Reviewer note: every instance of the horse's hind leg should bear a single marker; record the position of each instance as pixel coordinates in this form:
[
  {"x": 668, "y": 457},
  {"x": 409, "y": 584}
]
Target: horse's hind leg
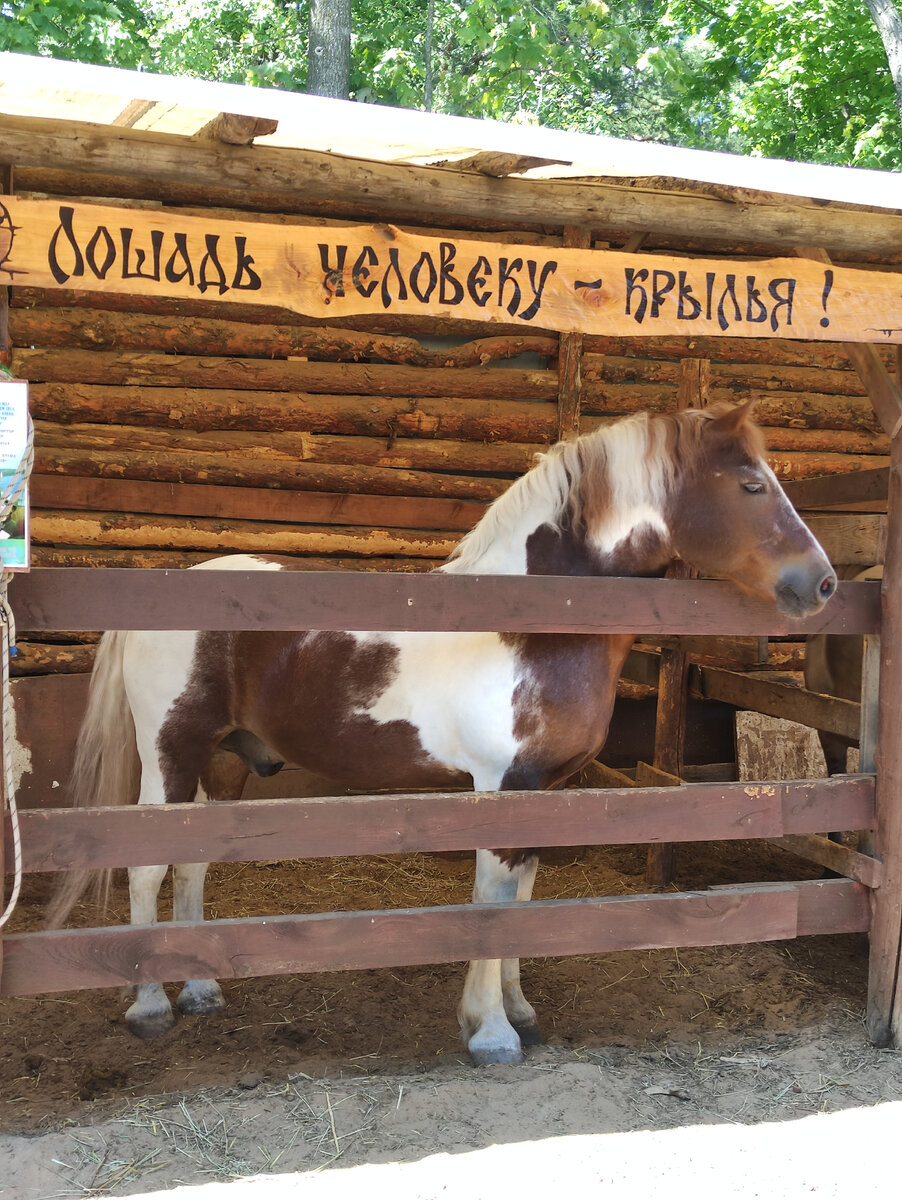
[
  {"x": 495, "y": 1018},
  {"x": 150, "y": 1016}
]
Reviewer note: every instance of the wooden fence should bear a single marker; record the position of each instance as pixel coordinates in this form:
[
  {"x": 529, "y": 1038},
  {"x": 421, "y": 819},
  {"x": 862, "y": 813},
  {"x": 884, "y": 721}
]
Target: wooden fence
[{"x": 243, "y": 831}]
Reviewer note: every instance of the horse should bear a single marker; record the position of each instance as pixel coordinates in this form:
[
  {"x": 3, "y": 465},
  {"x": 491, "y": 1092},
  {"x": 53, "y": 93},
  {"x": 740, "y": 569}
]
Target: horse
[{"x": 174, "y": 716}]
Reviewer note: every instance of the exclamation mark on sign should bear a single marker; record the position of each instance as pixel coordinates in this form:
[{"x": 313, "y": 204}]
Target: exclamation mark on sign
[{"x": 828, "y": 287}]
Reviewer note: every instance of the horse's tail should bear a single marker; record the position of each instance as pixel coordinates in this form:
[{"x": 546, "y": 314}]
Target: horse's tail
[{"x": 106, "y": 769}]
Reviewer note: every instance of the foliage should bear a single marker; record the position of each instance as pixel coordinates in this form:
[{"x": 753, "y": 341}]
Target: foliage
[
  {"x": 806, "y": 81},
  {"x": 802, "y": 79}
]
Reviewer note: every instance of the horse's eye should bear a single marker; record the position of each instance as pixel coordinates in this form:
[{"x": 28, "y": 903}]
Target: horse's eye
[{"x": 754, "y": 488}]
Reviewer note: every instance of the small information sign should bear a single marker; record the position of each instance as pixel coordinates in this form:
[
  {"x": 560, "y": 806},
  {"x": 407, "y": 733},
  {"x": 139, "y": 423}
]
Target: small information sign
[{"x": 14, "y": 541}]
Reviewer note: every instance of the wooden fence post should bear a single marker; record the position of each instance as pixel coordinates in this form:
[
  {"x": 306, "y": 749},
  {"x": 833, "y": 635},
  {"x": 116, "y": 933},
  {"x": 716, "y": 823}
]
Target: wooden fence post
[{"x": 884, "y": 1015}]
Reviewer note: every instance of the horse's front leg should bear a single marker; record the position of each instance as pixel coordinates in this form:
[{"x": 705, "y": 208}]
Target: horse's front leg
[
  {"x": 199, "y": 997},
  {"x": 150, "y": 1016},
  {"x": 495, "y": 1018}
]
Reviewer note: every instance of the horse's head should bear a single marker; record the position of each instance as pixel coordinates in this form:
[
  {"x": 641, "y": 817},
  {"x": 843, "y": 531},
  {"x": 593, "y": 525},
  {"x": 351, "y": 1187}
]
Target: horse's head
[{"x": 731, "y": 519}]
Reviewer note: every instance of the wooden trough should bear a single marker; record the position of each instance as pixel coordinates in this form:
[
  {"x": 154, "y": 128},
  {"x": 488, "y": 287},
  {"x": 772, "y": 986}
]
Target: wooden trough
[{"x": 175, "y": 421}]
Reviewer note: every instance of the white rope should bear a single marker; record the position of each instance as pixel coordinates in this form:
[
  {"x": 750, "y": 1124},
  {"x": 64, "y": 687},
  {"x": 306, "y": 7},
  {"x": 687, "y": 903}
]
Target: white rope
[{"x": 8, "y": 500}]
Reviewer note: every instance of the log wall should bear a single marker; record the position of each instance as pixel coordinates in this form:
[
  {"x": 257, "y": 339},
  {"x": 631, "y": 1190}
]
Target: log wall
[{"x": 169, "y": 431}]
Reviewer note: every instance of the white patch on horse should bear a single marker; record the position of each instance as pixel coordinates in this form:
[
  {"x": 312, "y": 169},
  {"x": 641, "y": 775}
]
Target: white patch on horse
[
  {"x": 456, "y": 689},
  {"x": 639, "y": 477}
]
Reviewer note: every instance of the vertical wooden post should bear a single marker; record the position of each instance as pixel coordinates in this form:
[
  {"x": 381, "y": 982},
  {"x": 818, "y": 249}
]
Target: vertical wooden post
[
  {"x": 570, "y": 355},
  {"x": 670, "y": 722},
  {"x": 884, "y": 1015},
  {"x": 6, "y": 187}
]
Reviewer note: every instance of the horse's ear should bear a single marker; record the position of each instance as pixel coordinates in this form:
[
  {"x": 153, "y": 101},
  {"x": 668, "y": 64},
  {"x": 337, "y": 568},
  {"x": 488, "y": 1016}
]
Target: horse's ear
[{"x": 729, "y": 423}]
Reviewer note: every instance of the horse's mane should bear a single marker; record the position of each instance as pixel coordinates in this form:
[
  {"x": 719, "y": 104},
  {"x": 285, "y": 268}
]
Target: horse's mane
[{"x": 595, "y": 480}]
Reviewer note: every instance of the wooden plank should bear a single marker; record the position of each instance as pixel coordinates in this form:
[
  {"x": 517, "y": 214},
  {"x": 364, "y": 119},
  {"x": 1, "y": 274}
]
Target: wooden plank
[
  {"x": 850, "y": 539},
  {"x": 257, "y": 504},
  {"x": 648, "y": 775},
  {"x": 884, "y": 1014},
  {"x": 278, "y": 375},
  {"x": 252, "y": 830},
  {"x": 341, "y": 186},
  {"x": 781, "y": 700},
  {"x": 597, "y": 774},
  {"x": 82, "y": 598},
  {"x": 832, "y": 855},
  {"x": 570, "y": 355},
  {"x": 363, "y": 269},
  {"x": 833, "y": 491},
  {"x": 239, "y": 949}
]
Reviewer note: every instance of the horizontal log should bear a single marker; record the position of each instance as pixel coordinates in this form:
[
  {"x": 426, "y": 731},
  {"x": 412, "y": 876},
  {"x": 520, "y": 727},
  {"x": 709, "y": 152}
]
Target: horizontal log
[
  {"x": 774, "y": 351},
  {"x": 828, "y": 713},
  {"x": 409, "y": 325},
  {"x": 293, "y": 375},
  {"x": 78, "y": 328},
  {"x": 788, "y": 464},
  {"x": 741, "y": 375},
  {"x": 39, "y": 658},
  {"x": 255, "y": 830},
  {"x": 799, "y": 410},
  {"x": 246, "y": 471},
  {"x": 438, "y": 454},
  {"x": 103, "y": 556},
  {"x": 255, "y": 504},
  {"x": 85, "y": 599},
  {"x": 216, "y": 536},
  {"x": 126, "y": 955},
  {"x": 225, "y": 408},
  {"x": 413, "y": 192}
]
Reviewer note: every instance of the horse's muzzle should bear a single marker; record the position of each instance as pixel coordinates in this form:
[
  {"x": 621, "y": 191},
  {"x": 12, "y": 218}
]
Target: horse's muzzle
[{"x": 801, "y": 591}]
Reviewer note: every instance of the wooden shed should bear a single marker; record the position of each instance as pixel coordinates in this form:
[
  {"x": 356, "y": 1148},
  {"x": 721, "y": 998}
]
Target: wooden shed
[{"x": 260, "y": 321}]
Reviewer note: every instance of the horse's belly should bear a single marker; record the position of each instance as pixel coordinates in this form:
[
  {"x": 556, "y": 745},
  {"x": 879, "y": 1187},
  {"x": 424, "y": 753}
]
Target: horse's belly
[{"x": 390, "y": 710}]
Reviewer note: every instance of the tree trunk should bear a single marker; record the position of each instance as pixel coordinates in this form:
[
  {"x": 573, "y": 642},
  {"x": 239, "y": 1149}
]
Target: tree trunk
[
  {"x": 889, "y": 26},
  {"x": 329, "y": 52}
]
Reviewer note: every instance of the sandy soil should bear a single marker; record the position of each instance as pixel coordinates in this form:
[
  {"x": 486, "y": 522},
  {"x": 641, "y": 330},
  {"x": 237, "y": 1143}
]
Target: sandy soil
[{"x": 306, "y": 1073}]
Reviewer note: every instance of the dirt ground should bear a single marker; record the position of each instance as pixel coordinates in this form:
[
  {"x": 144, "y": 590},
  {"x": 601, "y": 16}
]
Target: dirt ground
[{"x": 303, "y": 1072}]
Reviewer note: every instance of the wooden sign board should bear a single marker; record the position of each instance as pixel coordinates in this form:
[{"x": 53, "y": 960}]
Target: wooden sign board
[{"x": 326, "y": 271}]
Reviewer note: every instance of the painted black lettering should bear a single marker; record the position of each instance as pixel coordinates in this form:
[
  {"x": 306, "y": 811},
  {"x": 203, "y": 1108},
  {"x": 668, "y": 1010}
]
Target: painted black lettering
[
  {"x": 709, "y": 293},
  {"x": 156, "y": 243},
  {"x": 729, "y": 292},
  {"x": 395, "y": 269},
  {"x": 755, "y": 309},
  {"x": 784, "y": 301},
  {"x": 100, "y": 269},
  {"x": 178, "y": 264},
  {"x": 447, "y": 252},
  {"x": 476, "y": 280},
  {"x": 333, "y": 277},
  {"x": 686, "y": 298},
  {"x": 424, "y": 261},
  {"x": 210, "y": 262},
  {"x": 550, "y": 267},
  {"x": 634, "y": 281},
  {"x": 78, "y": 263},
  {"x": 360, "y": 272},
  {"x": 243, "y": 267},
  {"x": 662, "y": 282},
  {"x": 506, "y": 275}
]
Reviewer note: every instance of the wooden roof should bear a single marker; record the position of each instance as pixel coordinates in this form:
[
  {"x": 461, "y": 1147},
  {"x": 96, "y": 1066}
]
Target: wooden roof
[{"x": 49, "y": 88}]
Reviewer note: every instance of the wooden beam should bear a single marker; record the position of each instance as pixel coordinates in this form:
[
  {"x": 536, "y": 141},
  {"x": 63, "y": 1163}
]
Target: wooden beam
[
  {"x": 884, "y": 1016},
  {"x": 829, "y": 713},
  {"x": 235, "y": 129},
  {"x": 230, "y": 949},
  {"x": 570, "y": 356},
  {"x": 252, "y": 830},
  {"x": 82, "y": 598},
  {"x": 834, "y": 491},
  {"x": 836, "y": 857},
  {"x": 342, "y": 186},
  {"x": 498, "y": 164}
]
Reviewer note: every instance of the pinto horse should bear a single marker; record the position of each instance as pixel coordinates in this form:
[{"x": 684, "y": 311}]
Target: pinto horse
[{"x": 413, "y": 710}]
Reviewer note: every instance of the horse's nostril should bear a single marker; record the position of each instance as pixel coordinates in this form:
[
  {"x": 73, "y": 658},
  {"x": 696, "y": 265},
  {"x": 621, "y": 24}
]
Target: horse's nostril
[{"x": 828, "y": 586}]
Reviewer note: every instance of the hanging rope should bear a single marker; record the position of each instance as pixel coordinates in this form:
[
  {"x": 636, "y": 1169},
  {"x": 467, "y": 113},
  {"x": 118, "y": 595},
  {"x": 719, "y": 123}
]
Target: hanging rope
[{"x": 9, "y": 498}]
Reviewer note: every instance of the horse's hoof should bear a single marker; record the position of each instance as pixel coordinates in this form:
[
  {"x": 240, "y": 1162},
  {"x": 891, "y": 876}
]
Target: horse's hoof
[
  {"x": 149, "y": 1026},
  {"x": 201, "y": 998},
  {"x": 530, "y": 1035},
  {"x": 486, "y": 1056}
]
